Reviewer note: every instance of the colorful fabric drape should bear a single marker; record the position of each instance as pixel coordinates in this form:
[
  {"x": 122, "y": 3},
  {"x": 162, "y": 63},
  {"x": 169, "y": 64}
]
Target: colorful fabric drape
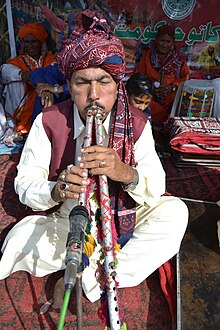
[
  {"x": 194, "y": 135},
  {"x": 122, "y": 141}
]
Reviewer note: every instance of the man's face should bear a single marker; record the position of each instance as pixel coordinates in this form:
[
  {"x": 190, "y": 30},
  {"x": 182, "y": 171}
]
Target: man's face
[
  {"x": 93, "y": 88},
  {"x": 140, "y": 101},
  {"x": 32, "y": 46},
  {"x": 164, "y": 43}
]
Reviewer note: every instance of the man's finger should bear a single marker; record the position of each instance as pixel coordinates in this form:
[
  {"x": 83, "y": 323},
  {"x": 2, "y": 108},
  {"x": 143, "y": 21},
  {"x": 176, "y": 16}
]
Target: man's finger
[{"x": 94, "y": 148}]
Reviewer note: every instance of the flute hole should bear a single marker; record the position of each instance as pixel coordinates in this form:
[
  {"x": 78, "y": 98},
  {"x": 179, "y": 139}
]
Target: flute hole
[
  {"x": 113, "y": 274},
  {"x": 116, "y": 309},
  {"x": 112, "y": 265}
]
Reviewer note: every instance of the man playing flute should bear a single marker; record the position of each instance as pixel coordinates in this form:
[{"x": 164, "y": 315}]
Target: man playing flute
[{"x": 149, "y": 225}]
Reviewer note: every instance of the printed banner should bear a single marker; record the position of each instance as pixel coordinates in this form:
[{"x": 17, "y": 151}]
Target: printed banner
[{"x": 136, "y": 23}]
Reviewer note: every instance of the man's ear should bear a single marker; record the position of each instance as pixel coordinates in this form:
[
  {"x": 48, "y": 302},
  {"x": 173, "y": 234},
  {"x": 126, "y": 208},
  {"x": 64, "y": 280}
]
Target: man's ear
[{"x": 117, "y": 88}]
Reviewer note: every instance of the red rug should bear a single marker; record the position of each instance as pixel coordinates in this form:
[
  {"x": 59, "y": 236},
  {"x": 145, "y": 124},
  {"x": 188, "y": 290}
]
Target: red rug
[
  {"x": 200, "y": 183},
  {"x": 22, "y": 295},
  {"x": 193, "y": 182}
]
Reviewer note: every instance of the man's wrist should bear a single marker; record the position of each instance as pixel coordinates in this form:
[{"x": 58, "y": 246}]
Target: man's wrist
[
  {"x": 133, "y": 184},
  {"x": 55, "y": 194},
  {"x": 56, "y": 89}
]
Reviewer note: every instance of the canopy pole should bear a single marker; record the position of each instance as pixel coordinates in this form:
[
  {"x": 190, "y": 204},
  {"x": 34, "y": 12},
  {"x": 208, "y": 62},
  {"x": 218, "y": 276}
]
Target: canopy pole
[{"x": 11, "y": 29}]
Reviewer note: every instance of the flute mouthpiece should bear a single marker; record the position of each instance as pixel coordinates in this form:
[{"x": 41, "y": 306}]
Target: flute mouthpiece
[
  {"x": 89, "y": 113},
  {"x": 95, "y": 111}
]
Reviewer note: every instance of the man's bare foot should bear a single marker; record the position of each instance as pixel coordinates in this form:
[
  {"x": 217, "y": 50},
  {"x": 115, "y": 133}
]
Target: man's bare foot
[{"x": 59, "y": 294}]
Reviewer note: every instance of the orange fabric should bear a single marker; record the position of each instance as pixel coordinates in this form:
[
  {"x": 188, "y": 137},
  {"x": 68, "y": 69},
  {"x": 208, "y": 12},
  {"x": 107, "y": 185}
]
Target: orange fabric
[
  {"x": 34, "y": 29},
  {"x": 159, "y": 112},
  {"x": 23, "y": 114}
]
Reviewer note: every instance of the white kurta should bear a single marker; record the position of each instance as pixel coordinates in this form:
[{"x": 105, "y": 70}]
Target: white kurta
[
  {"x": 37, "y": 244},
  {"x": 14, "y": 87}
]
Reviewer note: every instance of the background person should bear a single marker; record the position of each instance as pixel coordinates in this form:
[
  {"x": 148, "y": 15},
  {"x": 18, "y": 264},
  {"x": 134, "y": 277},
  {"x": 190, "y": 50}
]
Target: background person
[
  {"x": 140, "y": 92},
  {"x": 167, "y": 68},
  {"x": 19, "y": 93},
  {"x": 209, "y": 57},
  {"x": 146, "y": 226}
]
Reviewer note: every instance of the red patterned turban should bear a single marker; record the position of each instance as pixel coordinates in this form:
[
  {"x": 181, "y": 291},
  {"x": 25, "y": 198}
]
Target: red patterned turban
[
  {"x": 92, "y": 44},
  {"x": 34, "y": 29}
]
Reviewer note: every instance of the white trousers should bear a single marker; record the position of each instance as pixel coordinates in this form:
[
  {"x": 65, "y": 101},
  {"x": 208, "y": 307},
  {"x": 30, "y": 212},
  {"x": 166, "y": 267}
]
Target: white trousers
[{"x": 37, "y": 245}]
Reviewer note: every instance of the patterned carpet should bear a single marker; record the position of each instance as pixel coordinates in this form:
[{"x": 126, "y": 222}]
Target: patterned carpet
[
  {"x": 192, "y": 182},
  {"x": 200, "y": 269},
  {"x": 22, "y": 295},
  {"x": 201, "y": 183}
]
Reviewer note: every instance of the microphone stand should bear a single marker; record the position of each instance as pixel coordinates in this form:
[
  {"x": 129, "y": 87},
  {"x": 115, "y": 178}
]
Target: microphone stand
[
  {"x": 79, "y": 311},
  {"x": 64, "y": 309},
  {"x": 74, "y": 263}
]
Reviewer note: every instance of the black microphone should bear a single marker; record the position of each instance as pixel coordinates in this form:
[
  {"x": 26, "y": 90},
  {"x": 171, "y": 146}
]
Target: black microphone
[{"x": 78, "y": 218}]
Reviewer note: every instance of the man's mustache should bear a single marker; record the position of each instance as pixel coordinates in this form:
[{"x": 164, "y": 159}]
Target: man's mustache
[{"x": 95, "y": 105}]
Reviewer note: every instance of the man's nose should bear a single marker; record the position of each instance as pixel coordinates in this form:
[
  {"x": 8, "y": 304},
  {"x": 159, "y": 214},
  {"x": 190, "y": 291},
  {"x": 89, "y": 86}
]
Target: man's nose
[
  {"x": 30, "y": 45},
  {"x": 93, "y": 91},
  {"x": 167, "y": 44},
  {"x": 141, "y": 107}
]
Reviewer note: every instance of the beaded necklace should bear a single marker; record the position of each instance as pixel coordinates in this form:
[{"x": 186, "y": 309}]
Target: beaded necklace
[{"x": 31, "y": 63}]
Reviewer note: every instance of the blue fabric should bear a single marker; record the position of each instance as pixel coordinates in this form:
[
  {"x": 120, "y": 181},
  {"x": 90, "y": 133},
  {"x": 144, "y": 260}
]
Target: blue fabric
[
  {"x": 66, "y": 89},
  {"x": 37, "y": 108},
  {"x": 50, "y": 75},
  {"x": 10, "y": 150},
  {"x": 147, "y": 113},
  {"x": 85, "y": 260},
  {"x": 113, "y": 60}
]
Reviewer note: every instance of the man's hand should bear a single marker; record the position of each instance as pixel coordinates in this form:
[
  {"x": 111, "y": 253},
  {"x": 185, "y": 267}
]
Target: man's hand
[
  {"x": 102, "y": 160},
  {"x": 45, "y": 91},
  {"x": 70, "y": 184},
  {"x": 44, "y": 87},
  {"x": 47, "y": 99},
  {"x": 25, "y": 77}
]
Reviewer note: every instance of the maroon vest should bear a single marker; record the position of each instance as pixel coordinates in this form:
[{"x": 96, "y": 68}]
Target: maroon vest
[{"x": 58, "y": 122}]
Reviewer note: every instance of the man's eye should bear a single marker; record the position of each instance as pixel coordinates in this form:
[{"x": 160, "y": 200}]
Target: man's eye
[
  {"x": 81, "y": 83},
  {"x": 104, "y": 82}
]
